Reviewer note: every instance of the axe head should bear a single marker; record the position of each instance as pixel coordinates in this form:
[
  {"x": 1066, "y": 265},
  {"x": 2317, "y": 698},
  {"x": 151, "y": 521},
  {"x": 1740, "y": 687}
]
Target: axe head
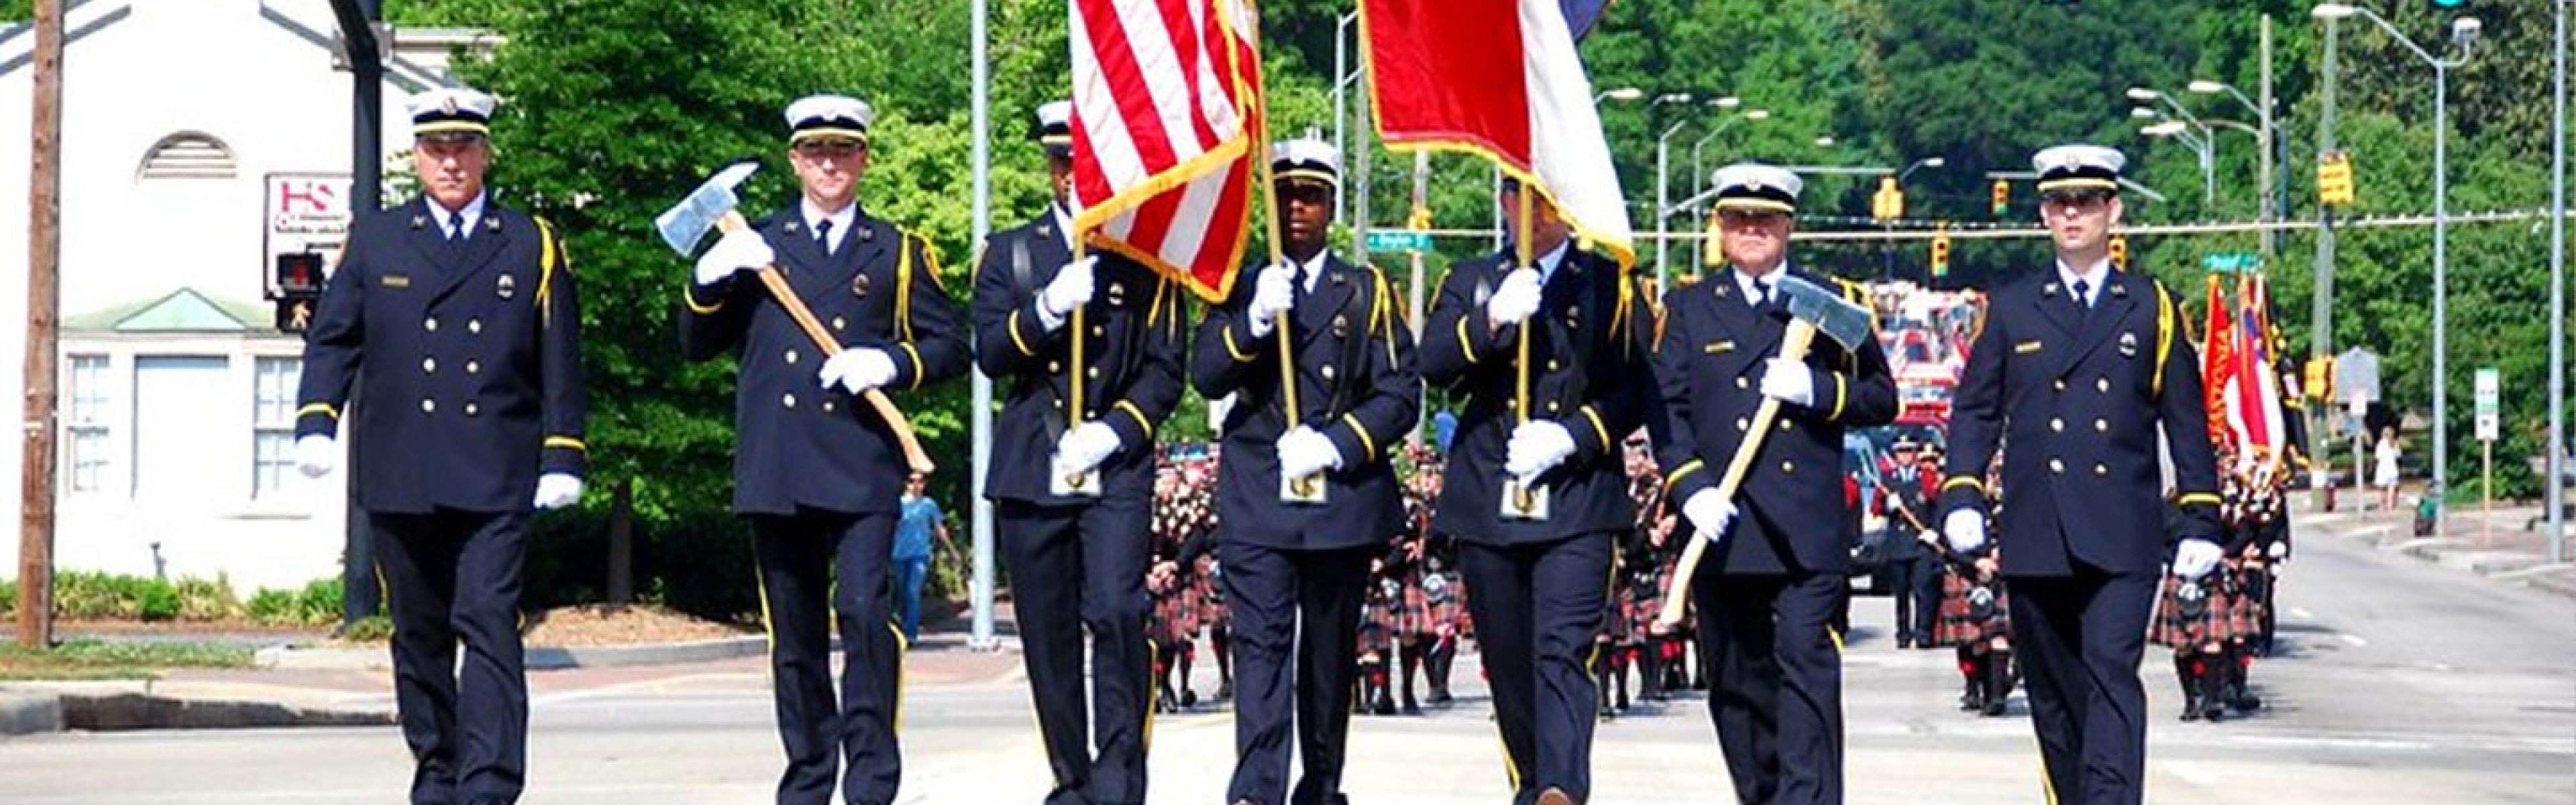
[
  {"x": 684, "y": 223},
  {"x": 1846, "y": 323}
]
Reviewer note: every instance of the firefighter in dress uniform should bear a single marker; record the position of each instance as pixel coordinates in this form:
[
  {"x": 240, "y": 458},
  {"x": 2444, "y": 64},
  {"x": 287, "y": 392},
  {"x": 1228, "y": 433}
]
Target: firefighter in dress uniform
[{"x": 459, "y": 318}]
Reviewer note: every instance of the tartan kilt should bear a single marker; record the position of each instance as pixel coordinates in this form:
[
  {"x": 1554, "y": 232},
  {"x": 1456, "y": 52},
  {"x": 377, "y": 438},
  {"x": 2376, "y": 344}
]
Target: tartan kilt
[
  {"x": 1211, "y": 596},
  {"x": 1958, "y": 624},
  {"x": 1377, "y": 623},
  {"x": 1176, "y": 613},
  {"x": 2227, "y": 616},
  {"x": 1689, "y": 624},
  {"x": 1422, "y": 616}
]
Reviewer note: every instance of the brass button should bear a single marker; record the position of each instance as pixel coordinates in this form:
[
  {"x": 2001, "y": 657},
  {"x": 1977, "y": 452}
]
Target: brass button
[
  {"x": 1551, "y": 364},
  {"x": 428, "y": 406},
  {"x": 2058, "y": 384},
  {"x": 1788, "y": 466},
  {"x": 839, "y": 323},
  {"x": 430, "y": 324},
  {"x": 1059, "y": 404},
  {"x": 2102, "y": 384},
  {"x": 2056, "y": 425},
  {"x": 828, "y": 407},
  {"x": 2056, "y": 467},
  {"x": 1740, "y": 383},
  {"x": 473, "y": 367},
  {"x": 1328, "y": 371},
  {"x": 1098, "y": 331},
  {"x": 474, "y": 326},
  {"x": 1783, "y": 424},
  {"x": 1743, "y": 424},
  {"x": 788, "y": 399},
  {"x": 2102, "y": 426},
  {"x": 429, "y": 366},
  {"x": 473, "y": 409},
  {"x": 2100, "y": 470},
  {"x": 791, "y": 357},
  {"x": 1512, "y": 405},
  {"x": 1551, "y": 406},
  {"x": 1092, "y": 372},
  {"x": 1054, "y": 367}
]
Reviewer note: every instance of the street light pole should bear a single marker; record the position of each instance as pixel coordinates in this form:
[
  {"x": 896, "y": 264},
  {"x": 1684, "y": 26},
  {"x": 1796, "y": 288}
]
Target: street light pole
[
  {"x": 2463, "y": 32},
  {"x": 2557, "y": 449},
  {"x": 1663, "y": 155},
  {"x": 980, "y": 390}
]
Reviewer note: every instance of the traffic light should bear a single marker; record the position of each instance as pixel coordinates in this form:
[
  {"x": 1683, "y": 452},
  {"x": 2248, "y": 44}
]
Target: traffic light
[
  {"x": 299, "y": 286},
  {"x": 1888, "y": 203},
  {"x": 2120, "y": 251},
  {"x": 1941, "y": 252},
  {"x": 2334, "y": 177},
  {"x": 1420, "y": 220},
  {"x": 2003, "y": 196}
]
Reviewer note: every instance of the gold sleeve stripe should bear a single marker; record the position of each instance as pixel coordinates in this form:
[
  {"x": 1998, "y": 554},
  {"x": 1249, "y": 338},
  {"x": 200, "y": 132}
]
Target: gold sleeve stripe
[
  {"x": 1962, "y": 480},
  {"x": 324, "y": 409},
  {"x": 2199, "y": 498},
  {"x": 690, "y": 295},
  {"x": 1680, "y": 472},
  {"x": 1838, "y": 397},
  {"x": 1240, "y": 356},
  {"x": 1366, "y": 443},
  {"x": 917, "y": 369},
  {"x": 1013, "y": 324},
  {"x": 1139, "y": 414},
  {"x": 1598, "y": 427},
  {"x": 1465, "y": 346},
  {"x": 2164, "y": 337},
  {"x": 567, "y": 443}
]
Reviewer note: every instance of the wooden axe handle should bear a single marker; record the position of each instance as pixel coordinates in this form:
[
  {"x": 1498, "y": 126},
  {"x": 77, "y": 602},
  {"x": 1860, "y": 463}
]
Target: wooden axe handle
[
  {"x": 1793, "y": 346},
  {"x": 917, "y": 458}
]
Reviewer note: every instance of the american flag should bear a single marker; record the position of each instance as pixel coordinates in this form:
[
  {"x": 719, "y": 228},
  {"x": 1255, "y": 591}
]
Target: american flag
[{"x": 1166, "y": 112}]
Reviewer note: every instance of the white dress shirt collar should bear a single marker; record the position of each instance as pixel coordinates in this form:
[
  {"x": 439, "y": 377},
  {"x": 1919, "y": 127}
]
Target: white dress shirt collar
[
  {"x": 2092, "y": 278},
  {"x": 1548, "y": 263},
  {"x": 841, "y": 222},
  {"x": 1312, "y": 268},
  {"x": 1063, "y": 224},
  {"x": 460, "y": 222},
  {"x": 1753, "y": 287}
]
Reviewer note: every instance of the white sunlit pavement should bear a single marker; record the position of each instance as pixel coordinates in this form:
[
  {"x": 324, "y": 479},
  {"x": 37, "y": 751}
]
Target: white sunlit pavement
[{"x": 2398, "y": 681}]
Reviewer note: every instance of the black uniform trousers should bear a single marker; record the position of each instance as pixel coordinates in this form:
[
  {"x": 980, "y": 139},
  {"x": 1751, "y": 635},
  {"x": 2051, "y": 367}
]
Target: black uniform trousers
[
  {"x": 2079, "y": 638},
  {"x": 1301, "y": 606},
  {"x": 1078, "y": 568},
  {"x": 817, "y": 566},
  {"x": 454, "y": 575},
  {"x": 1914, "y": 581},
  {"x": 1776, "y": 682},
  {"x": 1537, "y": 607}
]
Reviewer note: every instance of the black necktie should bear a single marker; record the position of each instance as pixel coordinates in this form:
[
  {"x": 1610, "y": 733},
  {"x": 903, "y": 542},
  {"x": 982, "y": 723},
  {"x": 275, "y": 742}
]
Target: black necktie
[
  {"x": 823, "y": 236},
  {"x": 455, "y": 228},
  {"x": 2083, "y": 298}
]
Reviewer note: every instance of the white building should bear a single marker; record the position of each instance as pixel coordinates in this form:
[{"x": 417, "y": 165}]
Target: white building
[{"x": 184, "y": 121}]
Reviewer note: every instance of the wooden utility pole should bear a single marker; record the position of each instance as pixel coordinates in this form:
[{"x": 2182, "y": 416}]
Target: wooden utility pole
[{"x": 44, "y": 255}]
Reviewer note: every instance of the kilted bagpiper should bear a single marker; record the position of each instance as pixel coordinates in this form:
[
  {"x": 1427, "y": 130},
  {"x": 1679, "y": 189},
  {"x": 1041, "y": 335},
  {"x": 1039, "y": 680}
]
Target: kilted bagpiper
[
  {"x": 2207, "y": 622},
  {"x": 1429, "y": 627},
  {"x": 1976, "y": 621},
  {"x": 1180, "y": 519}
]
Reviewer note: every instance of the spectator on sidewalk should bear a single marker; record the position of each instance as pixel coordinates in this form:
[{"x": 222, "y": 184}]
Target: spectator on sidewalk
[
  {"x": 922, "y": 521},
  {"x": 2384, "y": 475}
]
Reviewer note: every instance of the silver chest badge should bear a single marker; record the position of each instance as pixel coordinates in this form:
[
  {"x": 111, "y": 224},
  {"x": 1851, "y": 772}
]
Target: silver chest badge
[
  {"x": 507, "y": 287},
  {"x": 2128, "y": 345}
]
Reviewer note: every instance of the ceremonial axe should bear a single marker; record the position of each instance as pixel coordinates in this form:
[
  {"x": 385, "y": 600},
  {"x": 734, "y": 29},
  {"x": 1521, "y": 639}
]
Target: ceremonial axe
[
  {"x": 711, "y": 206},
  {"x": 1812, "y": 309}
]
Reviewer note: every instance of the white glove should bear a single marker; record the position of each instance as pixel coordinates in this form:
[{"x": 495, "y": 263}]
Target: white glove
[
  {"x": 316, "y": 455},
  {"x": 739, "y": 250},
  {"x": 2194, "y": 558},
  {"x": 1070, "y": 289},
  {"x": 1305, "y": 451},
  {"x": 2278, "y": 550},
  {"x": 858, "y": 370},
  {"x": 1083, "y": 449},
  {"x": 1709, "y": 514},
  {"x": 1516, "y": 299},
  {"x": 1928, "y": 538},
  {"x": 1966, "y": 529},
  {"x": 1536, "y": 447},
  {"x": 1788, "y": 381},
  {"x": 1274, "y": 291},
  {"x": 556, "y": 490}
]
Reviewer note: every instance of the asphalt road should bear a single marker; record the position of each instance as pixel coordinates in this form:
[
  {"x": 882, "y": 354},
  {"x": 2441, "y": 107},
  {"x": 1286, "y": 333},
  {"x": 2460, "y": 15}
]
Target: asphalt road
[{"x": 2398, "y": 682}]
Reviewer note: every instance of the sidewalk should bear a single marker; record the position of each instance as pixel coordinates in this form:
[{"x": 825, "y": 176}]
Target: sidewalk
[
  {"x": 361, "y": 694},
  {"x": 2509, "y": 545}
]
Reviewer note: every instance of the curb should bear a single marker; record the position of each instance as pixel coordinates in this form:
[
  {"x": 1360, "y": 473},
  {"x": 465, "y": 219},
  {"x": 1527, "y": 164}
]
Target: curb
[
  {"x": 538, "y": 659},
  {"x": 30, "y": 713},
  {"x": 136, "y": 711},
  {"x": 2513, "y": 568}
]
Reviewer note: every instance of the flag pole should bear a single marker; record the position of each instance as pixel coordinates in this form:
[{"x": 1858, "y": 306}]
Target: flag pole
[
  {"x": 1278, "y": 257},
  {"x": 1528, "y": 260}
]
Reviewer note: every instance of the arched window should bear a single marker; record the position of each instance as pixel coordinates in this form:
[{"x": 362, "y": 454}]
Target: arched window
[{"x": 188, "y": 155}]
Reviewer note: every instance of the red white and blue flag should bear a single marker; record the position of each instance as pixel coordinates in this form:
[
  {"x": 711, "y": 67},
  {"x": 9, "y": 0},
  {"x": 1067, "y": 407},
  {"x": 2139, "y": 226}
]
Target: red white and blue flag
[{"x": 1166, "y": 112}]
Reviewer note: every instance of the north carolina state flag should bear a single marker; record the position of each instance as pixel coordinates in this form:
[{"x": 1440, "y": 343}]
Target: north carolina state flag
[{"x": 1498, "y": 78}]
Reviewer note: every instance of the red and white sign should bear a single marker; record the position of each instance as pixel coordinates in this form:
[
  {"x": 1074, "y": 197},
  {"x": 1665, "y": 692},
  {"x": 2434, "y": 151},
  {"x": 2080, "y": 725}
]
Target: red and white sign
[{"x": 303, "y": 212}]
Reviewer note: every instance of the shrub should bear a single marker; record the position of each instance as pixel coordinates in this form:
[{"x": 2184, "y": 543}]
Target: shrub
[
  {"x": 8, "y": 598},
  {"x": 370, "y": 629},
  {"x": 204, "y": 600}
]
